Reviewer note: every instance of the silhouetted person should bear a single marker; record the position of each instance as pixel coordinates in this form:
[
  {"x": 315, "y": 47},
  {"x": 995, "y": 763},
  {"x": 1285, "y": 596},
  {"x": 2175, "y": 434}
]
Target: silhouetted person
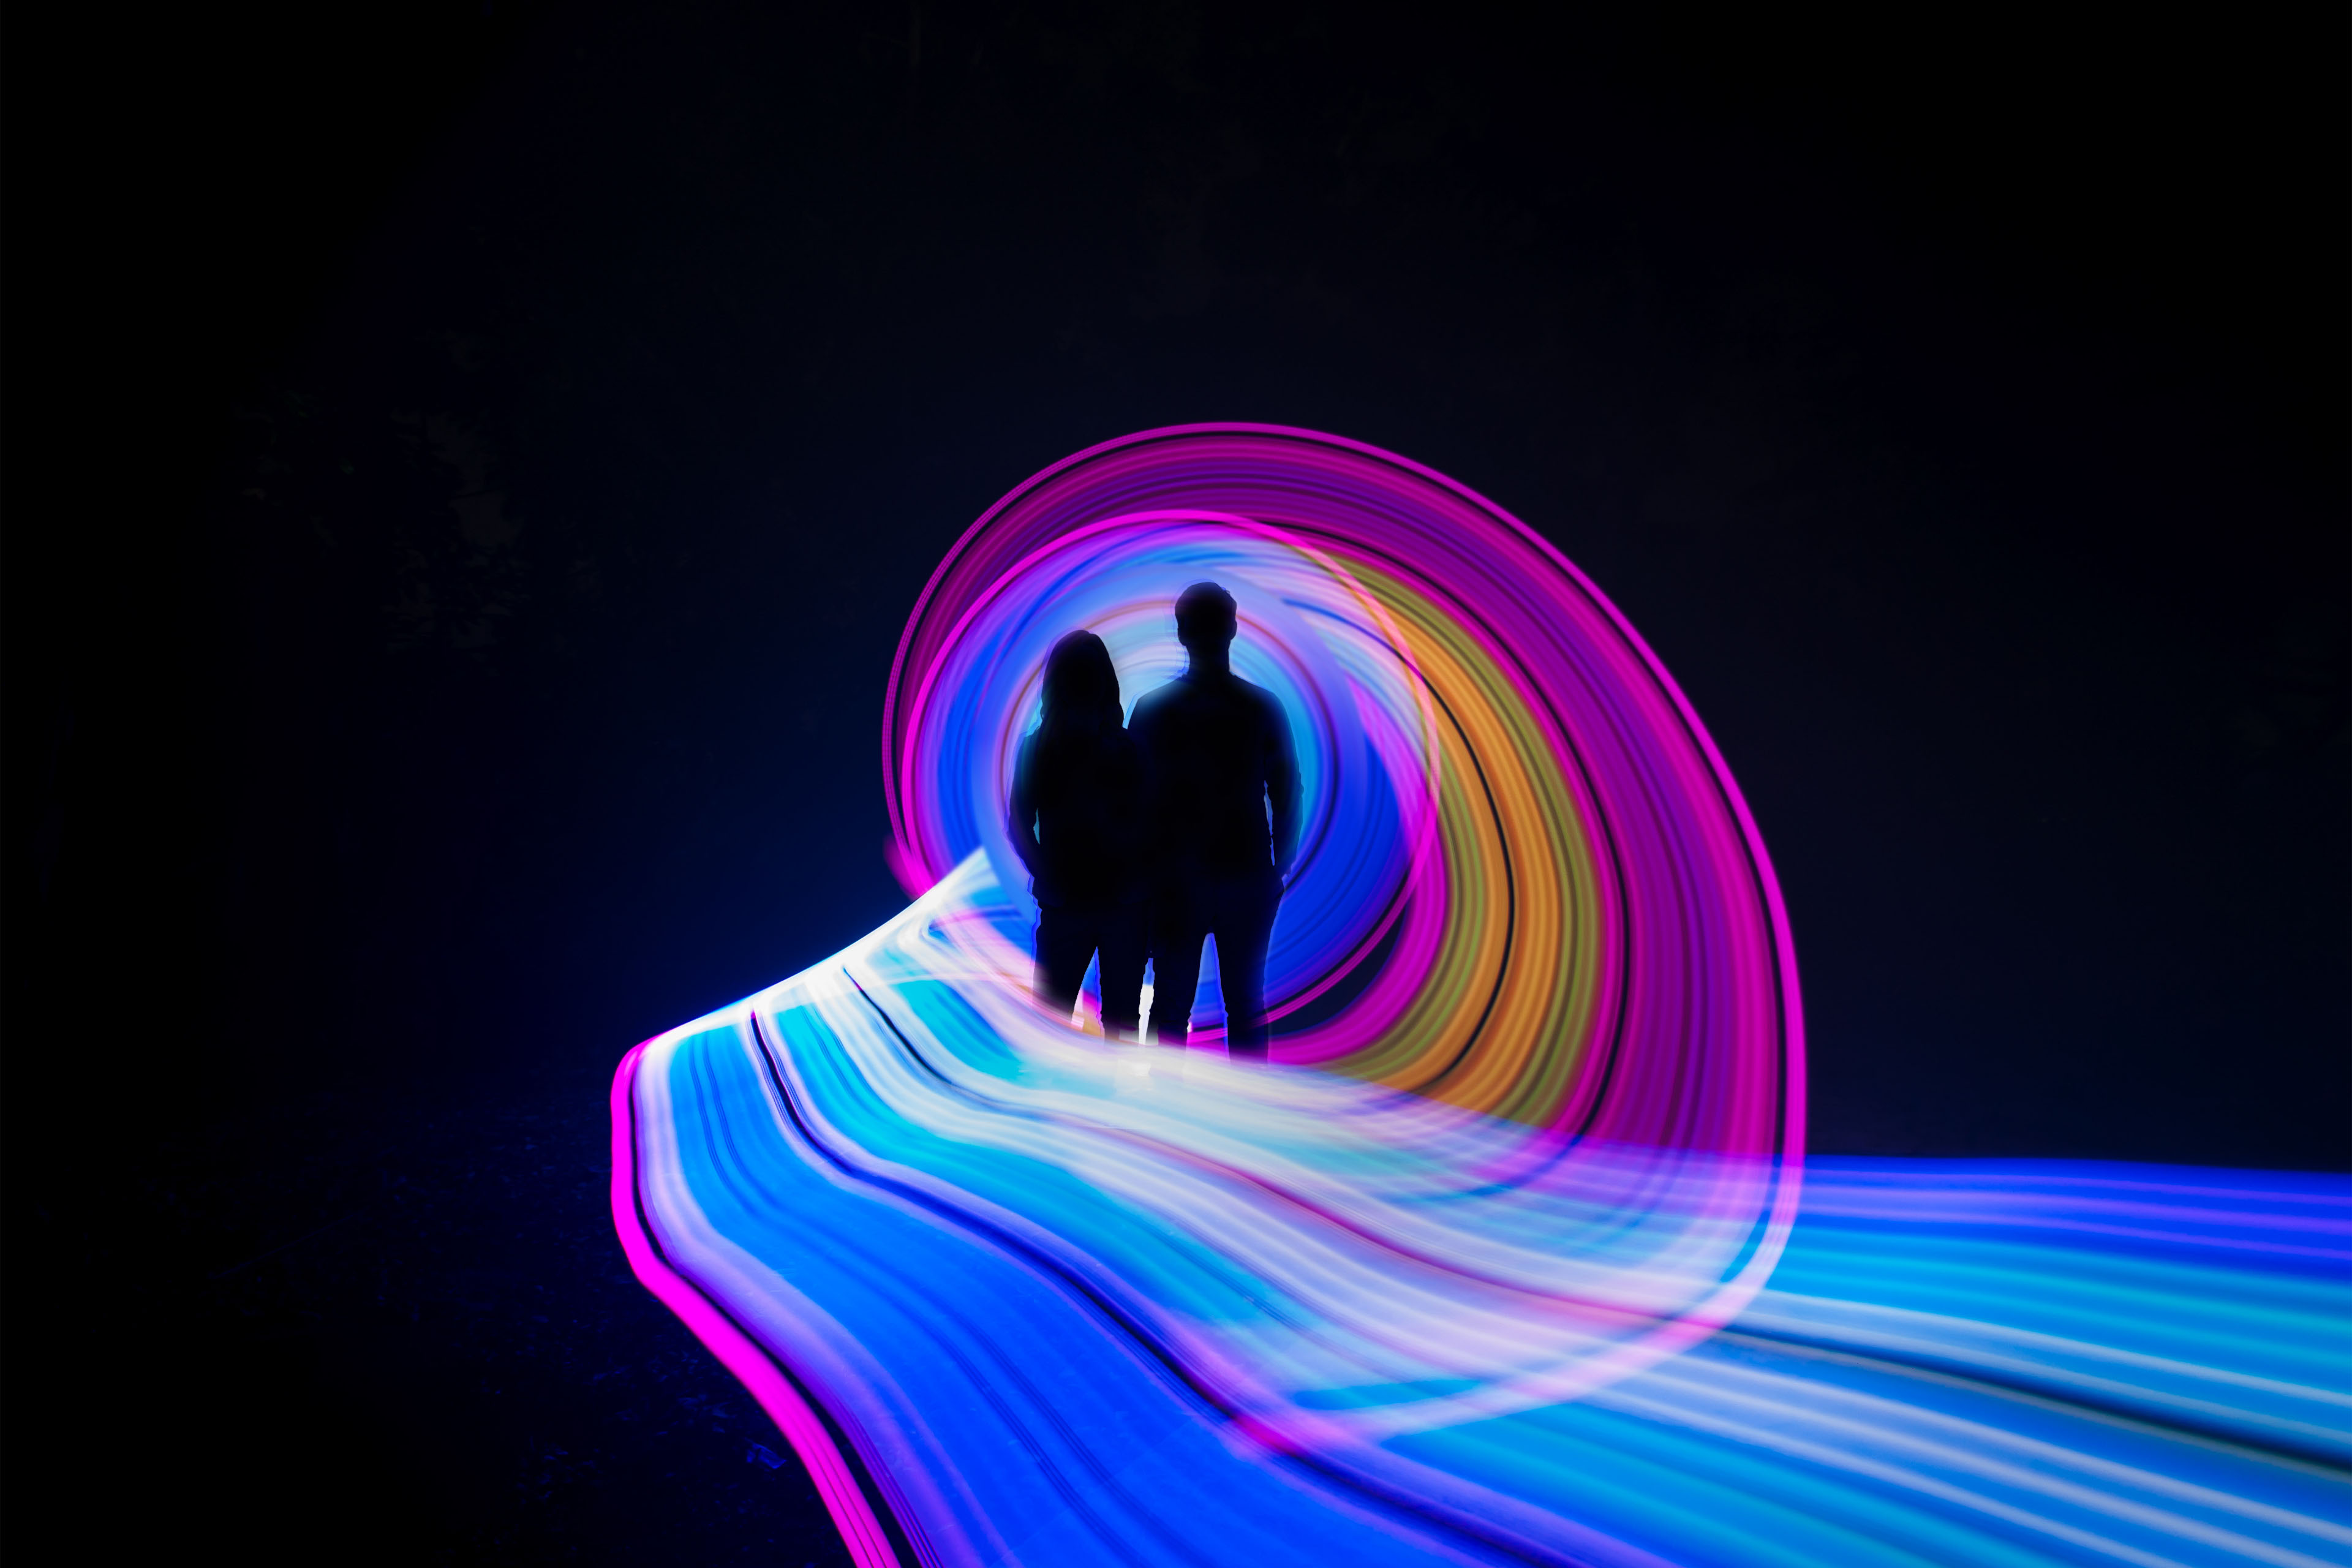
[
  {"x": 1076, "y": 821},
  {"x": 1224, "y": 800}
]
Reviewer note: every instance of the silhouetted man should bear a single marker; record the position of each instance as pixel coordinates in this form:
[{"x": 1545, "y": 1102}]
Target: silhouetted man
[{"x": 1223, "y": 791}]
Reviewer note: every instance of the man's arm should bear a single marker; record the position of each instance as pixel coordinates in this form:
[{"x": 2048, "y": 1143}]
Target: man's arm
[
  {"x": 1143, "y": 729},
  {"x": 1282, "y": 787},
  {"x": 1020, "y": 818}
]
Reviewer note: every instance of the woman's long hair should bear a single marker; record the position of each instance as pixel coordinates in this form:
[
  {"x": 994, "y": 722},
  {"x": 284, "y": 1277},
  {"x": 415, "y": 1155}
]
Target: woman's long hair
[{"x": 1081, "y": 689}]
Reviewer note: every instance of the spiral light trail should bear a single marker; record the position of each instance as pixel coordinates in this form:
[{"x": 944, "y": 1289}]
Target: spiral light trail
[{"x": 1506, "y": 1258}]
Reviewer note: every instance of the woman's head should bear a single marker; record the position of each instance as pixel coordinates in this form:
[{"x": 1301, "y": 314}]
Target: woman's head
[{"x": 1081, "y": 686}]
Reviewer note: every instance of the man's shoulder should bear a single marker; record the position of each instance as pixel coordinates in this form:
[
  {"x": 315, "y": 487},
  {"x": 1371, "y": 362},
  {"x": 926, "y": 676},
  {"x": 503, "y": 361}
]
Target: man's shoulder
[
  {"x": 1166, "y": 691},
  {"x": 1206, "y": 698},
  {"x": 1168, "y": 694},
  {"x": 1268, "y": 704}
]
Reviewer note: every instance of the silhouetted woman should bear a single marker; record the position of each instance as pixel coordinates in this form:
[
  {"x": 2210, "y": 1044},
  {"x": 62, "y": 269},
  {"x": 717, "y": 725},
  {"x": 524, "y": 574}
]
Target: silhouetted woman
[{"x": 1076, "y": 821}]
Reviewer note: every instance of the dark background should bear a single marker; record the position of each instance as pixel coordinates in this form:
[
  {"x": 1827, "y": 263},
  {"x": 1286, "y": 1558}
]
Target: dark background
[{"x": 466, "y": 470}]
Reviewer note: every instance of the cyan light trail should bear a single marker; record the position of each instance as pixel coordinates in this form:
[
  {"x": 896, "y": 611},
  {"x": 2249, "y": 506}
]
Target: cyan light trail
[
  {"x": 1061, "y": 1303},
  {"x": 1503, "y": 1260}
]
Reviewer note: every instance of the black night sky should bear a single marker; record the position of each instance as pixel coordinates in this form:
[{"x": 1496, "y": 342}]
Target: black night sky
[{"x": 468, "y": 469}]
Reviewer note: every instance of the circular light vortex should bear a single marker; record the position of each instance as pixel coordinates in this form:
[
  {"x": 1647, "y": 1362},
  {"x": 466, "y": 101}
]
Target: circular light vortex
[{"x": 1528, "y": 885}]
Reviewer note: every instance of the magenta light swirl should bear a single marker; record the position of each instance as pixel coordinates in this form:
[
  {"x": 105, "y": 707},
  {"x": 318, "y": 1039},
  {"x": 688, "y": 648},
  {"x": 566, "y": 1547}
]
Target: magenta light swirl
[{"x": 1529, "y": 869}]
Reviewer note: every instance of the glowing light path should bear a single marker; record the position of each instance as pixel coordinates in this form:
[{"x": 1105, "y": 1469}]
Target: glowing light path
[{"x": 1504, "y": 1260}]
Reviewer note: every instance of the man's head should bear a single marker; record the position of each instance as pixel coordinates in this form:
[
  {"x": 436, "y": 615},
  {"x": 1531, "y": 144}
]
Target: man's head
[{"x": 1204, "y": 618}]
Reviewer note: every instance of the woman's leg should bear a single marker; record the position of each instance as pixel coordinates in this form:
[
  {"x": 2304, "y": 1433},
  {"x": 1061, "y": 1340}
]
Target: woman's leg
[
  {"x": 1123, "y": 939},
  {"x": 1177, "y": 932},
  {"x": 1066, "y": 942}
]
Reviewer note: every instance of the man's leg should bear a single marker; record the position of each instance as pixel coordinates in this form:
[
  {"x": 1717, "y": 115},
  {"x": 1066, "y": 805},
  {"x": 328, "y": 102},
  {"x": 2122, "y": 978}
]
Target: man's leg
[
  {"x": 1124, "y": 946},
  {"x": 1244, "y": 928},
  {"x": 1177, "y": 932},
  {"x": 1065, "y": 942}
]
